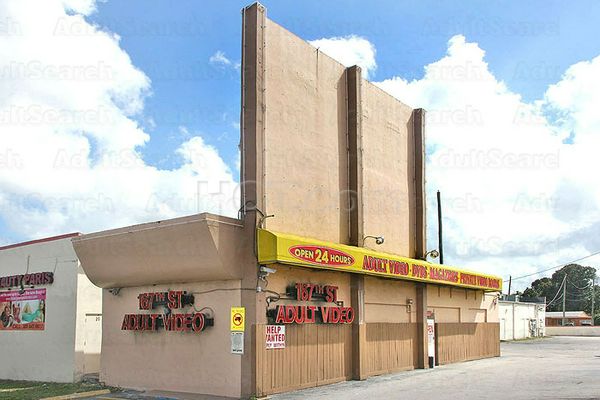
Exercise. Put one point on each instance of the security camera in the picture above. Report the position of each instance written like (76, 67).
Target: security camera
(267, 270)
(263, 272)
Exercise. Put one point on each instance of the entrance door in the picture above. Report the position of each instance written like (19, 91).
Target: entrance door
(92, 343)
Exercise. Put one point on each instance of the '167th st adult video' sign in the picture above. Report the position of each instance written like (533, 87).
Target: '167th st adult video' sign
(320, 306)
(169, 320)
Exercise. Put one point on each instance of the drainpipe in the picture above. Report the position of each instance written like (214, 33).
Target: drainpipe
(513, 321)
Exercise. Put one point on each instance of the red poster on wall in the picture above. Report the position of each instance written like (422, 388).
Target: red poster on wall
(23, 311)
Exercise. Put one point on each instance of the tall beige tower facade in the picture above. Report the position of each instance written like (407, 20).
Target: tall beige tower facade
(300, 290)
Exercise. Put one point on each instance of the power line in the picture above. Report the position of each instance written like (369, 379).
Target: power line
(571, 298)
(556, 267)
(577, 287)
(557, 292)
(580, 296)
(549, 304)
(576, 301)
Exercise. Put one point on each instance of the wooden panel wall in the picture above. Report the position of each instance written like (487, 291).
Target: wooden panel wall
(390, 347)
(466, 341)
(314, 355)
(318, 355)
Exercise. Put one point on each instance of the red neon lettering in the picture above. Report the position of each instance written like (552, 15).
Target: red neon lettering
(325, 314)
(145, 301)
(289, 314)
(153, 324)
(168, 321)
(299, 314)
(174, 299)
(198, 322)
(280, 315)
(331, 293)
(335, 315)
(348, 315)
(311, 319)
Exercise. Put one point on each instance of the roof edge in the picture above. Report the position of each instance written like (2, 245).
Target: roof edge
(194, 218)
(42, 240)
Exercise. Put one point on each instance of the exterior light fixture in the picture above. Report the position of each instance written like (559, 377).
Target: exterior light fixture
(409, 303)
(378, 239)
(432, 253)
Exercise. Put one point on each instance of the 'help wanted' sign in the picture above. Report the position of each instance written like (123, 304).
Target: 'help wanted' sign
(275, 337)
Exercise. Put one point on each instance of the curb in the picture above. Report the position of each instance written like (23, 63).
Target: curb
(81, 395)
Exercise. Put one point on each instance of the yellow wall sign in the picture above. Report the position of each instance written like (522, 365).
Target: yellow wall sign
(295, 250)
(238, 319)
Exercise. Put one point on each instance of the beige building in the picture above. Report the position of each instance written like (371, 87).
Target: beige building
(328, 161)
(50, 313)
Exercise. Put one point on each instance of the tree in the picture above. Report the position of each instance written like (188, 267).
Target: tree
(543, 287)
(579, 289)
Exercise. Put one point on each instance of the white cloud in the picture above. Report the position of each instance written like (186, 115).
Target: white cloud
(219, 58)
(70, 156)
(84, 7)
(349, 50)
(518, 179)
(516, 197)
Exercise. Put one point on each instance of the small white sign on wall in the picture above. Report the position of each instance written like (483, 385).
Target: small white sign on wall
(237, 342)
(431, 338)
(275, 337)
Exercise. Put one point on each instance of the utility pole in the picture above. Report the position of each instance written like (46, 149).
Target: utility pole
(509, 283)
(564, 320)
(593, 297)
(439, 210)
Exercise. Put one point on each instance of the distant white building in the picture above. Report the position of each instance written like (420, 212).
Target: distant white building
(521, 318)
(50, 313)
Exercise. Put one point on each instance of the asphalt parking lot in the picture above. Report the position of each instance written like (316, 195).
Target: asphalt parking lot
(550, 368)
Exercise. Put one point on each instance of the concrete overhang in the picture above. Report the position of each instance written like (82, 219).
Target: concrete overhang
(202, 247)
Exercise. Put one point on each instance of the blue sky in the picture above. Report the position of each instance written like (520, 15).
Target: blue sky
(528, 45)
(512, 146)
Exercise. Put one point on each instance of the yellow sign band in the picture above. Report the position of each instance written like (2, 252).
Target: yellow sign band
(295, 250)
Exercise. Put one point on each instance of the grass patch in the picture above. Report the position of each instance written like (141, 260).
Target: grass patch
(27, 390)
